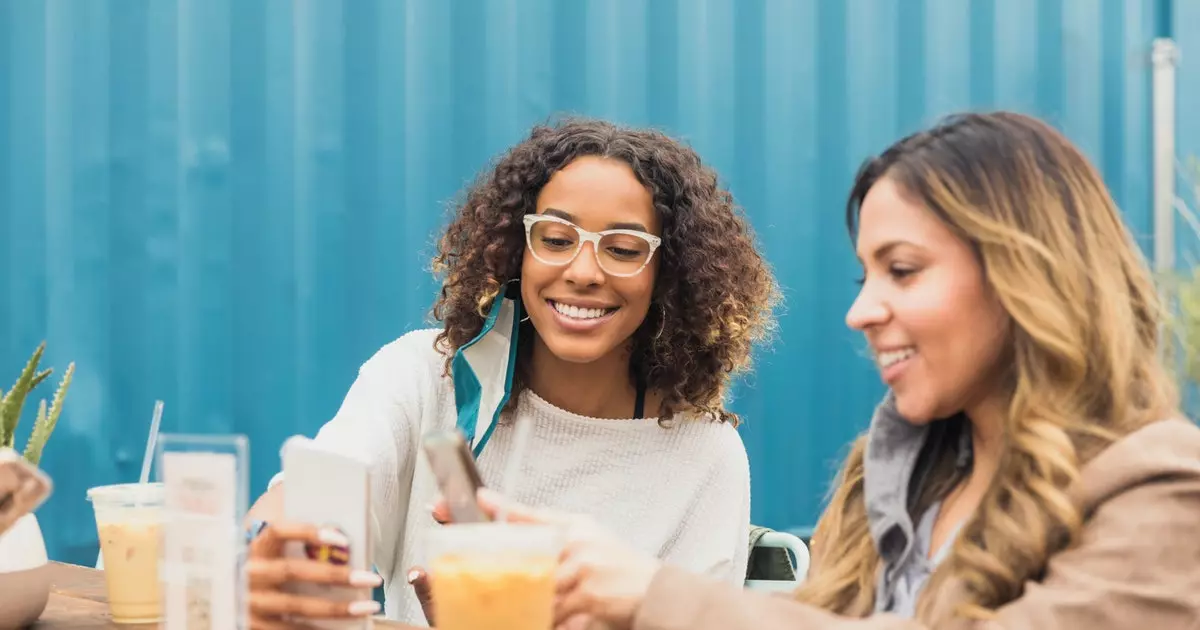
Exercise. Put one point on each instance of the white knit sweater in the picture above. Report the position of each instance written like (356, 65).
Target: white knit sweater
(680, 493)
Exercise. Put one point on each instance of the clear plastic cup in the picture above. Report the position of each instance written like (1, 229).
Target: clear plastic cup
(498, 576)
(129, 520)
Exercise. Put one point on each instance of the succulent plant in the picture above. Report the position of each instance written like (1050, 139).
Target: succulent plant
(13, 402)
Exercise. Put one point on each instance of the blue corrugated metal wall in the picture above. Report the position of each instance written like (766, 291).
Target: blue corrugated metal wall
(229, 204)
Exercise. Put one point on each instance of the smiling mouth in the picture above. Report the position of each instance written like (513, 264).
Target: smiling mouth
(894, 357)
(583, 314)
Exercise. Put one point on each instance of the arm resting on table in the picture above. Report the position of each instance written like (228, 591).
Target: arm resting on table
(1135, 566)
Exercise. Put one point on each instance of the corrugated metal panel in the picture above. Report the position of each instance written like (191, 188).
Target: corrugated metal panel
(230, 204)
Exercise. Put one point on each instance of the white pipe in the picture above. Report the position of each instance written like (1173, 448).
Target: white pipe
(1165, 57)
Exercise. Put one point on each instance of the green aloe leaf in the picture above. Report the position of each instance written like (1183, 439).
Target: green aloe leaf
(48, 420)
(14, 401)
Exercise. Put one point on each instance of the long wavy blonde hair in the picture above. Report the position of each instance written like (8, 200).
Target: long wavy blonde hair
(1084, 347)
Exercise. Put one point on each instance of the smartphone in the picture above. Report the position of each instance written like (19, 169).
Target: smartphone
(457, 477)
(24, 472)
(331, 490)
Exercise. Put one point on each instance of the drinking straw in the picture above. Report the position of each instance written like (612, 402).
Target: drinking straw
(150, 442)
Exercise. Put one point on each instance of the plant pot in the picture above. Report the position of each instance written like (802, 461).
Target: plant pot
(24, 574)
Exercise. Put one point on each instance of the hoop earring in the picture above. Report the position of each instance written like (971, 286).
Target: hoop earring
(662, 324)
(507, 286)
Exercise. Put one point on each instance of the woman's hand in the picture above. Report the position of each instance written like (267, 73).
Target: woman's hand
(419, 579)
(20, 491)
(601, 580)
(268, 570)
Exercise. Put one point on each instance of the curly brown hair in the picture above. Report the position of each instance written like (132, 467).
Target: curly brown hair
(713, 296)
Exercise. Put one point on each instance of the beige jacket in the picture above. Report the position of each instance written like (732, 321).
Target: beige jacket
(1137, 565)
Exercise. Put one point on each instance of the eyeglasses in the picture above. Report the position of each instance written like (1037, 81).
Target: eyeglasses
(557, 242)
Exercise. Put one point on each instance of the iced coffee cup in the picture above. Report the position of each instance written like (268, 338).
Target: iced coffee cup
(498, 576)
(129, 521)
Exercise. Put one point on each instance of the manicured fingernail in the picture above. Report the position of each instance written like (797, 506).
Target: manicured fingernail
(365, 578)
(333, 537)
(365, 607)
(413, 575)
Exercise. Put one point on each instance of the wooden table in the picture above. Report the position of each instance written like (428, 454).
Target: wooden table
(78, 600)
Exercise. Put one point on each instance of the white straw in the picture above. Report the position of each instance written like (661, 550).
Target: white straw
(150, 441)
(512, 471)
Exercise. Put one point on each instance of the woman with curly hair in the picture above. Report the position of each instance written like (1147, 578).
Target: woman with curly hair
(601, 287)
(1029, 467)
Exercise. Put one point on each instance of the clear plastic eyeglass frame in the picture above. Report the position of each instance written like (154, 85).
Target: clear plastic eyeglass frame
(588, 237)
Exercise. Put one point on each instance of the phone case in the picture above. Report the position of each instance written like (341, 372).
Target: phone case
(457, 477)
(330, 490)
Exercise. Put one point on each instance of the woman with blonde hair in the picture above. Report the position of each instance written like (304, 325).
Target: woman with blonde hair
(1029, 466)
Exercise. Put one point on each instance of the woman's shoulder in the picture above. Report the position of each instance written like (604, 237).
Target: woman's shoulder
(411, 367)
(416, 350)
(719, 442)
(1163, 451)
(1140, 498)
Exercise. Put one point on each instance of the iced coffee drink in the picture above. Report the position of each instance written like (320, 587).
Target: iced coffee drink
(494, 576)
(131, 570)
(129, 522)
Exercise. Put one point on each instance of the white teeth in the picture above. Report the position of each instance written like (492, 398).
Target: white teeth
(575, 312)
(892, 357)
